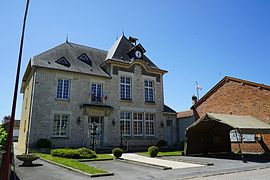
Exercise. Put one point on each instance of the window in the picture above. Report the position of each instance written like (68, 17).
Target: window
(149, 124)
(125, 123)
(84, 58)
(63, 62)
(149, 91)
(125, 88)
(60, 125)
(63, 88)
(137, 124)
(96, 93)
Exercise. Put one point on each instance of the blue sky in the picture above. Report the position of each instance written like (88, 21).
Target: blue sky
(195, 40)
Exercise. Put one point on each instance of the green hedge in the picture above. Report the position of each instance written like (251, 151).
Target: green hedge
(81, 153)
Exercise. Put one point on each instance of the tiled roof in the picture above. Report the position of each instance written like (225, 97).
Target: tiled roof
(222, 82)
(184, 114)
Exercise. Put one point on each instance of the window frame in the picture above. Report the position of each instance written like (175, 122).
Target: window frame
(147, 119)
(147, 88)
(60, 95)
(60, 125)
(136, 121)
(101, 92)
(125, 88)
(125, 120)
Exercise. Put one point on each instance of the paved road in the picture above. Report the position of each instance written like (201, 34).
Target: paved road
(46, 171)
(261, 174)
(124, 170)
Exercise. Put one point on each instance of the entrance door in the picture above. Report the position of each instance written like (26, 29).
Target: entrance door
(169, 129)
(99, 131)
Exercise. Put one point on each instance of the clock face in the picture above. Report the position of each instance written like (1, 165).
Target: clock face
(138, 54)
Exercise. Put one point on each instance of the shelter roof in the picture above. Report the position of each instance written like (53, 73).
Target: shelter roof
(245, 124)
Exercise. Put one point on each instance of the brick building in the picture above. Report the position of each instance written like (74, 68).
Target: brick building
(238, 97)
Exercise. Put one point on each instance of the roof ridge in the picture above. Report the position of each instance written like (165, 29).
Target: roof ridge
(210, 92)
(76, 44)
(69, 43)
(247, 81)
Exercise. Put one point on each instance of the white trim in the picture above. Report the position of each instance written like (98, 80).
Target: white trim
(61, 112)
(154, 123)
(137, 120)
(148, 87)
(62, 93)
(131, 86)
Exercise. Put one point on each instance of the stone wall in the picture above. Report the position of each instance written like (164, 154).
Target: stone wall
(45, 104)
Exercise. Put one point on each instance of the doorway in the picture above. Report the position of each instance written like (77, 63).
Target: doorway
(99, 131)
(169, 130)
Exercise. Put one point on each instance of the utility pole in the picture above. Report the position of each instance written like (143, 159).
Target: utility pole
(6, 162)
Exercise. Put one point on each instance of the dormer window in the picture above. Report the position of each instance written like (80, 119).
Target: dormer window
(63, 62)
(84, 58)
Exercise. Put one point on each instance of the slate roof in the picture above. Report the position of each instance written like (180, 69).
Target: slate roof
(119, 50)
(167, 109)
(71, 52)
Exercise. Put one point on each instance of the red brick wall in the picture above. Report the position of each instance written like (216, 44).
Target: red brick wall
(239, 99)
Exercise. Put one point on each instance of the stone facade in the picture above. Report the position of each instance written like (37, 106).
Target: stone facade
(238, 97)
(41, 90)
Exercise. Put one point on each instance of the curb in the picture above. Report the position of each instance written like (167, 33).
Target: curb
(78, 171)
(192, 162)
(89, 160)
(145, 164)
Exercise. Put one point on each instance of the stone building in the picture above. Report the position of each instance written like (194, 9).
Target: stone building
(237, 97)
(70, 87)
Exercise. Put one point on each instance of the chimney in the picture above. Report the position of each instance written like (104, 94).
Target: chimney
(194, 99)
(133, 40)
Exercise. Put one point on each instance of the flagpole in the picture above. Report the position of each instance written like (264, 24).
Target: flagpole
(197, 89)
(6, 162)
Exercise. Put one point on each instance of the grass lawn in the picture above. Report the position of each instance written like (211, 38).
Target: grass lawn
(73, 163)
(160, 154)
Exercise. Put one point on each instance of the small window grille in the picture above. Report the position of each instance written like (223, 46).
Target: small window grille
(63, 62)
(84, 58)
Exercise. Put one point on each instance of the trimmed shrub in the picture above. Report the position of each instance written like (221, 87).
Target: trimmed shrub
(81, 153)
(153, 151)
(117, 152)
(161, 143)
(43, 143)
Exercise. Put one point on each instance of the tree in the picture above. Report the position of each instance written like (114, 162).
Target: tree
(3, 138)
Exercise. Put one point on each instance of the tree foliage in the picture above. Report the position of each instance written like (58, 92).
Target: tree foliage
(3, 138)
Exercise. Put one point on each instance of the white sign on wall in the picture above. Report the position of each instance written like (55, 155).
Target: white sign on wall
(234, 136)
